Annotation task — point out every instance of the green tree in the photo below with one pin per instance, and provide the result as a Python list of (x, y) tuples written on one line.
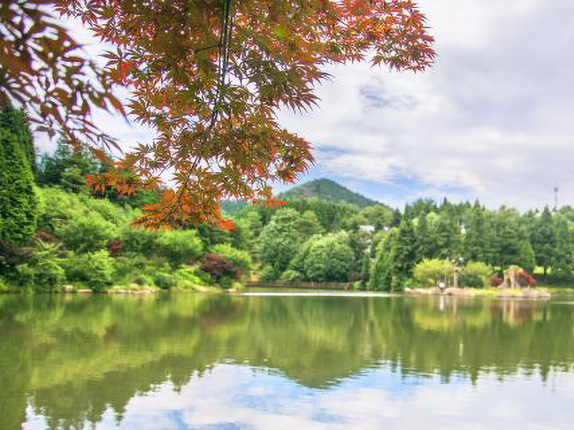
[(543, 239), (365, 270), (447, 236), (384, 271), (328, 259), (280, 241), (309, 224), (405, 249), (562, 262), (67, 168), (424, 240), (475, 242), (18, 202), (507, 241), (527, 259)]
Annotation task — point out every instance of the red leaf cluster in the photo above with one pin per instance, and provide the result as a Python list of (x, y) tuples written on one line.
[(208, 77)]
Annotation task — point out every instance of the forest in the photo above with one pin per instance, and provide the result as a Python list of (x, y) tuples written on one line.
[(57, 233)]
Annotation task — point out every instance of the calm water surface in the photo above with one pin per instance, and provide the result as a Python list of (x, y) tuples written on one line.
[(290, 362)]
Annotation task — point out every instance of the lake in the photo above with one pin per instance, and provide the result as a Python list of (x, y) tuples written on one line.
[(264, 361)]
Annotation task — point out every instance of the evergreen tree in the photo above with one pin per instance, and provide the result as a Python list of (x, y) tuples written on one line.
[(66, 168), (507, 241), (475, 240), (365, 270), (424, 240), (447, 236), (562, 262), (527, 259), (396, 220), (18, 203), (384, 269), (543, 239), (309, 224), (405, 249)]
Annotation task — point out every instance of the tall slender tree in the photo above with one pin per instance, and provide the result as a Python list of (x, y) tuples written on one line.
[(18, 203), (543, 239)]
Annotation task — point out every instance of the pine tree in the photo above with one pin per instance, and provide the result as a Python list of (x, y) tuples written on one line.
[(396, 220), (384, 270), (365, 270), (18, 204), (562, 262), (405, 249), (543, 239), (424, 239), (507, 240), (447, 236), (527, 259), (475, 240)]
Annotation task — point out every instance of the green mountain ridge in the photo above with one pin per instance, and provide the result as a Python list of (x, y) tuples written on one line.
[(327, 189), (324, 189)]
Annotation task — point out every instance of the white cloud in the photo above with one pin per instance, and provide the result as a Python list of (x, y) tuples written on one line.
[(493, 117)]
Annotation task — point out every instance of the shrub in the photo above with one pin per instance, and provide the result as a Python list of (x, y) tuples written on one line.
[(220, 269), (475, 275), (241, 259), (430, 272), (94, 269), (525, 279), (291, 275), (43, 271), (189, 278), (268, 273), (87, 233), (179, 247), (138, 240), (495, 280)]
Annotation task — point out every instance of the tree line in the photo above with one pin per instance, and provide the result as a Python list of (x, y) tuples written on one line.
[(55, 230)]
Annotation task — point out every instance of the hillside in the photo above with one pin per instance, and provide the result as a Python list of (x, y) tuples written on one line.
[(328, 190)]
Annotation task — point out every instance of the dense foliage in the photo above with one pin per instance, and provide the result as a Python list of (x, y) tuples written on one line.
[(18, 203)]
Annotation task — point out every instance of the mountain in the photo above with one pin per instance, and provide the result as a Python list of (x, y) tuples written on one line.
[(328, 190)]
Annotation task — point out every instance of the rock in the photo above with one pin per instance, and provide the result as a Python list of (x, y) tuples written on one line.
[(452, 291), (68, 289), (84, 291), (435, 290), (409, 291), (505, 292)]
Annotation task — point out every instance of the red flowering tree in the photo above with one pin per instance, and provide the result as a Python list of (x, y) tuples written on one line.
[(208, 77)]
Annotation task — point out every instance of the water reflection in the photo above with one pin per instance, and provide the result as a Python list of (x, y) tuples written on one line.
[(270, 362)]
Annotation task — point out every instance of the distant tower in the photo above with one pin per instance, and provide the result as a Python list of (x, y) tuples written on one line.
[(555, 198)]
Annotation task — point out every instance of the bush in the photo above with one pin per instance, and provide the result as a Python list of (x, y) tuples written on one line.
[(495, 280), (241, 259), (138, 240), (525, 279), (137, 269), (291, 275), (475, 275), (189, 278), (179, 247), (268, 273), (220, 269), (94, 269), (87, 233), (430, 272), (43, 271)]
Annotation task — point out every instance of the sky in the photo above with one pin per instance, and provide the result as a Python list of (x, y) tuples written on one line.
[(493, 119)]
